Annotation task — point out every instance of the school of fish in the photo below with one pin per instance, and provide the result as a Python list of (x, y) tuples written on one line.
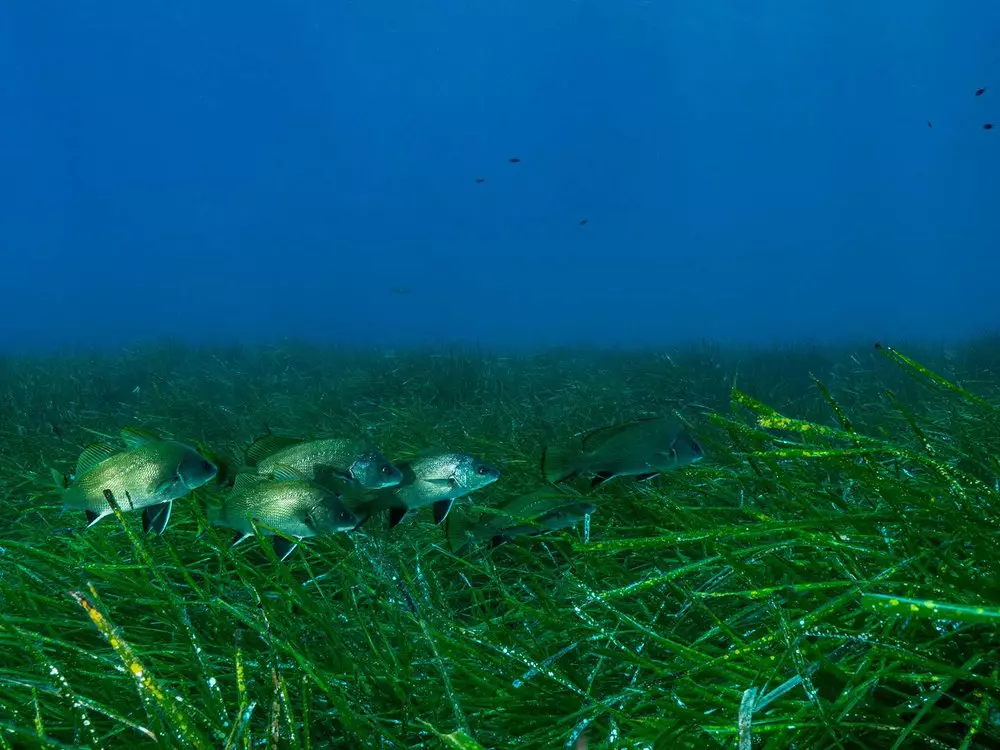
[(292, 489)]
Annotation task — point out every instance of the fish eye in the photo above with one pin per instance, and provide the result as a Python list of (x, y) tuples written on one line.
[(483, 470), (207, 466), (386, 470)]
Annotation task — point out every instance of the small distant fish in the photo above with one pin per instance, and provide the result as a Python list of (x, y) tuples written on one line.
[(352, 460), (149, 473), (929, 124), (988, 126), (643, 449), (289, 503), (400, 289), (533, 514), (514, 159), (437, 481), (980, 92), (480, 180), (583, 222)]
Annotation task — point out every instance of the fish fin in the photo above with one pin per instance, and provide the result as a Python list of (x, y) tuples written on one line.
[(594, 439), (60, 479), (285, 473), (93, 517), (362, 519), (137, 436), (214, 508), (600, 479), (156, 517), (458, 532), (268, 445), (239, 536), (647, 477), (166, 485), (499, 540), (324, 474), (558, 465), (441, 509), (93, 454), (224, 460), (245, 481), (282, 547), (396, 515)]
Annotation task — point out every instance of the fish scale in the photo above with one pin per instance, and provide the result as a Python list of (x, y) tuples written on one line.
[(138, 478)]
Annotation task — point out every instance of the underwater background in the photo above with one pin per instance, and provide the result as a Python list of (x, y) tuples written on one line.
[(490, 375)]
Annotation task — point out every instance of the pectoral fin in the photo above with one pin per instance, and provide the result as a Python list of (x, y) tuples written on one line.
[(441, 509), (156, 517), (282, 547), (93, 517), (167, 487), (600, 479)]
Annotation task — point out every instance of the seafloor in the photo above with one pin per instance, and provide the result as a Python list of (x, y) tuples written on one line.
[(827, 577)]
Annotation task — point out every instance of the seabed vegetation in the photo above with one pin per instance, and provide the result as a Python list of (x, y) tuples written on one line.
[(827, 577)]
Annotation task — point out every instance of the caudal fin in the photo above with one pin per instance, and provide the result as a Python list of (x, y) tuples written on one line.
[(459, 531), (559, 464)]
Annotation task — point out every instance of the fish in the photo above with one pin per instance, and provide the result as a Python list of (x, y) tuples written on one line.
[(533, 514), (353, 460), (641, 448), (980, 92), (988, 126), (435, 480), (290, 503), (148, 474)]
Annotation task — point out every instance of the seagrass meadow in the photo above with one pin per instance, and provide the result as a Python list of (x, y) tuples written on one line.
[(827, 577)]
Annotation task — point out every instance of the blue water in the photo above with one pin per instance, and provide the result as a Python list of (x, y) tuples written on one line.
[(749, 171)]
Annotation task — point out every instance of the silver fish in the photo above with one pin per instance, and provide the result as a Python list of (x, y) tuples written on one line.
[(147, 474)]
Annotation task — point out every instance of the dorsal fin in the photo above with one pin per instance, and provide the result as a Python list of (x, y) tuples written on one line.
[(597, 437), (284, 473), (246, 481), (268, 445), (136, 436), (93, 454)]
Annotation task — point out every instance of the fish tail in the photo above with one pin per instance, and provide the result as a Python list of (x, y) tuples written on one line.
[(225, 461), (214, 508), (60, 480), (459, 532), (559, 464)]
